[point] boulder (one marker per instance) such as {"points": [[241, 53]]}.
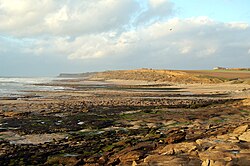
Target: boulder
{"points": [[214, 155], [205, 163], [240, 129], [224, 136], [204, 143], [245, 136], [131, 156], [217, 163], [61, 160], [243, 159], [225, 146], [176, 136], [165, 160], [185, 147], [134, 163]]}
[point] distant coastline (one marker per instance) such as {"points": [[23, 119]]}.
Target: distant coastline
{"points": [[232, 69], [75, 75]]}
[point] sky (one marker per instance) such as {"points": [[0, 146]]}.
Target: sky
{"points": [[48, 37]]}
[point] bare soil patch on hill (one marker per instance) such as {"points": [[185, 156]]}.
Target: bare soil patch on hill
{"points": [[155, 75], [221, 74]]}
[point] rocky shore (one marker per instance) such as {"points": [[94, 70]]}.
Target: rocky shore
{"points": [[121, 124]]}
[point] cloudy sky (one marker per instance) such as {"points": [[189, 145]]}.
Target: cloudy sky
{"points": [[47, 37]]}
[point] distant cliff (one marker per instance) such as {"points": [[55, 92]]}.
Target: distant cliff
{"points": [[76, 75]]}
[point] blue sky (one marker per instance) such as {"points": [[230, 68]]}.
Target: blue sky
{"points": [[220, 10], [96, 35]]}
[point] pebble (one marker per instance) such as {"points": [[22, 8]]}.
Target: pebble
{"points": [[80, 123]]}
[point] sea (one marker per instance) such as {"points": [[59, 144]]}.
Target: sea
{"points": [[18, 86]]}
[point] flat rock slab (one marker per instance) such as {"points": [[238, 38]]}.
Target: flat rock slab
{"points": [[240, 129], [14, 138], [245, 136]]}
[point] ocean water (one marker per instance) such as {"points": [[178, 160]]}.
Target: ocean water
{"points": [[16, 86]]}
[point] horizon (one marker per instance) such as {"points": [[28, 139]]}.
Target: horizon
{"points": [[132, 34]]}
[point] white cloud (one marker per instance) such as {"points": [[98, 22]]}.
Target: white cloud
{"points": [[51, 17], [124, 29], [156, 10], [185, 49], [91, 17], [172, 38], [238, 25], [53, 20], [23, 17]]}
